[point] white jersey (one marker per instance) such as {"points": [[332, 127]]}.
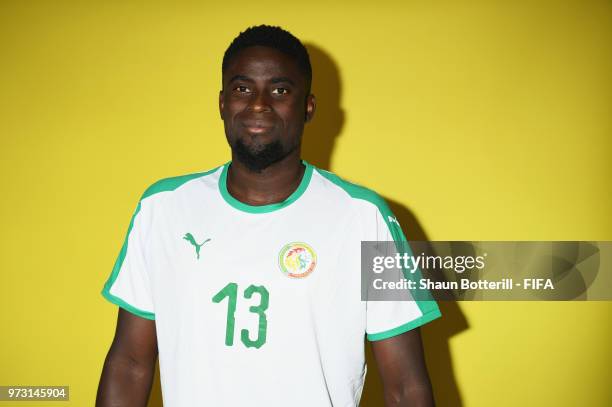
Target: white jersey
{"points": [[258, 305]]}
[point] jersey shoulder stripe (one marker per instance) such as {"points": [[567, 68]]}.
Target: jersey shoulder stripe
{"points": [[172, 183], [360, 192]]}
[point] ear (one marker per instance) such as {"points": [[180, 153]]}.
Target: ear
{"points": [[311, 106], [221, 103]]}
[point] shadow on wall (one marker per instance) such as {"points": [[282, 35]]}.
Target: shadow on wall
{"points": [[321, 133], [319, 139], [318, 143]]}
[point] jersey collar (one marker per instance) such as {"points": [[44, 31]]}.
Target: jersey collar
{"points": [[263, 208]]}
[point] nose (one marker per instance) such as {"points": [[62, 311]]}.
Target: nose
{"points": [[259, 102]]}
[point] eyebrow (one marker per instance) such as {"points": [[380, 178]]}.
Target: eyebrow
{"points": [[240, 78], [278, 79], [282, 79]]}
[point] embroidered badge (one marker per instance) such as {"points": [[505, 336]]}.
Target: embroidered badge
{"points": [[297, 260]]}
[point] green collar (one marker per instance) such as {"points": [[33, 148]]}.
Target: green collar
{"points": [[263, 208]]}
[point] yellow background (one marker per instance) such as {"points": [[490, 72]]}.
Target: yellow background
{"points": [[479, 120]]}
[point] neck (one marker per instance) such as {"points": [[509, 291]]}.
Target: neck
{"points": [[272, 185]]}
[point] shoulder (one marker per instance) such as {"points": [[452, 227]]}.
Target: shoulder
{"points": [[356, 194], [366, 201], [176, 183]]}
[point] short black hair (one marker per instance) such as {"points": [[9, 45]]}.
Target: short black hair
{"points": [[273, 37]]}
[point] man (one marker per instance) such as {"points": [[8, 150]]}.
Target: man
{"points": [[246, 277]]}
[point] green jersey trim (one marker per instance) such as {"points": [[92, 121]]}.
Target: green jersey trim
{"points": [[118, 301], [170, 184], [429, 309], [241, 206], [163, 185], [423, 319], [115, 273]]}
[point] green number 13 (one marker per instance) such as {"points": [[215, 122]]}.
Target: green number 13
{"points": [[231, 292]]}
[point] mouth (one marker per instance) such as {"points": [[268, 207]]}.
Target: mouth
{"points": [[256, 130], [256, 126]]}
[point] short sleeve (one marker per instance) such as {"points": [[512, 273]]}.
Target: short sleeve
{"points": [[386, 319], [128, 285]]}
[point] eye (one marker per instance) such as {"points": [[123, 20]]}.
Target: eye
{"points": [[242, 89], [280, 91]]}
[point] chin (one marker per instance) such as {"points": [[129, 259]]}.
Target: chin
{"points": [[259, 156]]}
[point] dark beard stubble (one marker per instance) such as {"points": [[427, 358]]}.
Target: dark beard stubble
{"points": [[259, 160]]}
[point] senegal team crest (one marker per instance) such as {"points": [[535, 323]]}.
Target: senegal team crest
{"points": [[297, 260]]}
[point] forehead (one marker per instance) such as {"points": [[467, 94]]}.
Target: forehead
{"points": [[262, 62]]}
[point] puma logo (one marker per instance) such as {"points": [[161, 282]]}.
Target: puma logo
{"points": [[189, 237]]}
